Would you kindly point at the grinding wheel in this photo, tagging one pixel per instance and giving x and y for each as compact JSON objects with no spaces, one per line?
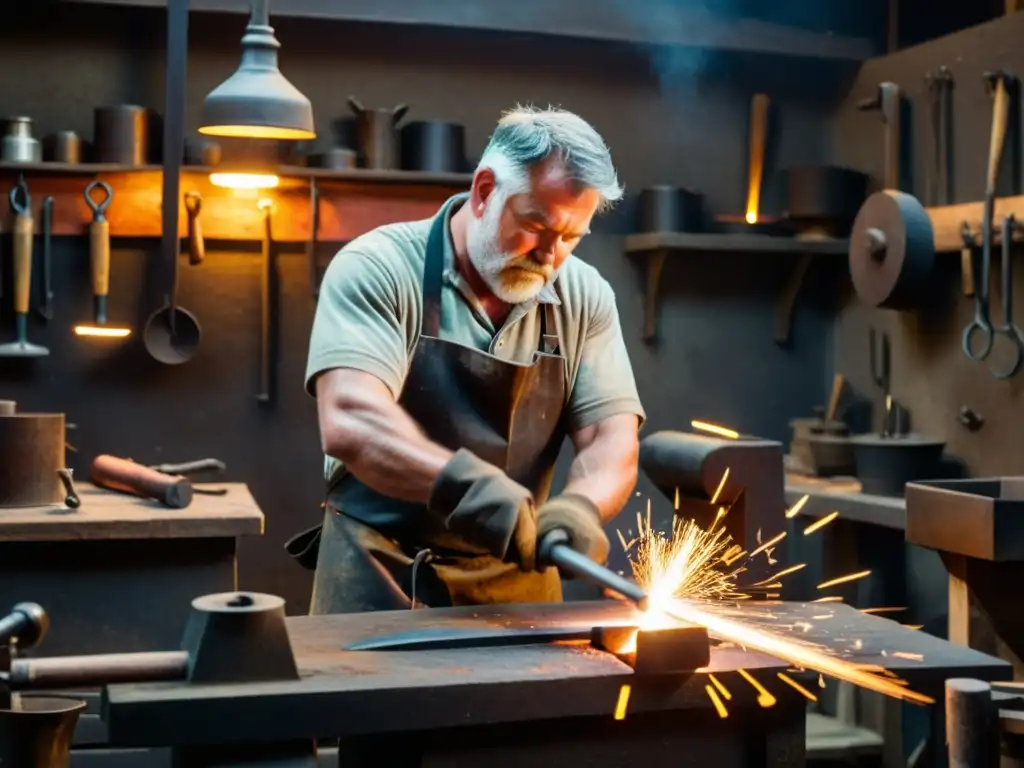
{"x":892,"y":250}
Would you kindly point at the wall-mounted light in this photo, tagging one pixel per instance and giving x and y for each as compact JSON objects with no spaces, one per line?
{"x":257,"y":101}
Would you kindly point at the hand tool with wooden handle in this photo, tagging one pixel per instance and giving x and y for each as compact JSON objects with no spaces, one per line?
{"x":21,"y":202}
{"x":196,"y":244}
{"x":758,"y":141}
{"x":99,"y":264}
{"x":128,"y":477}
{"x":838,"y":382}
{"x":888,"y":101}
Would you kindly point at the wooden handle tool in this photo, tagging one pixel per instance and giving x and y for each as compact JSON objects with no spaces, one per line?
{"x":838,"y":382}
{"x":126,"y":476}
{"x":1000,"y":117}
{"x":196,"y":244}
{"x":23,"y":230}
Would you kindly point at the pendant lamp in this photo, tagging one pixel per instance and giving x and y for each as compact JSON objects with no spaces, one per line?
{"x":257,"y":101}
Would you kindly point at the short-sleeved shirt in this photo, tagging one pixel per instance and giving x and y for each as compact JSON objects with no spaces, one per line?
{"x":371,"y":303}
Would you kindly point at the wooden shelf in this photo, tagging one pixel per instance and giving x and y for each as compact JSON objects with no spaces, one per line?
{"x":737,"y":243}
{"x":351,"y":204}
{"x":654,"y":248}
{"x":286,"y":172}
{"x":74,"y":169}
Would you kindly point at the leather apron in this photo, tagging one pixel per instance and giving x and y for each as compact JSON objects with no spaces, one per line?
{"x":507,"y":413}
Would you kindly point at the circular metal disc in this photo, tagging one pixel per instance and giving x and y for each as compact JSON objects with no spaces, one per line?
{"x":892,"y":250}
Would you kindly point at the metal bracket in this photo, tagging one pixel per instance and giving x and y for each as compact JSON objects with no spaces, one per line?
{"x":653,"y":262}
{"x":787,"y":301}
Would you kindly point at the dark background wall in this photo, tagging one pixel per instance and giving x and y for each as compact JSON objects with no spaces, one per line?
{"x":930,"y":374}
{"x":677,"y":119}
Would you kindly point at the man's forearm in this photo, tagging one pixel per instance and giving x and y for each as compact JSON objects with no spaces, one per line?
{"x":604,"y":473}
{"x":382,"y":445}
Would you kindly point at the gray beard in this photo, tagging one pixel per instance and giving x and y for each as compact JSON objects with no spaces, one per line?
{"x":513,"y":286}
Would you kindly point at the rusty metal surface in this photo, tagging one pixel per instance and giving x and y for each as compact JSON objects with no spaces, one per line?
{"x":362,"y":692}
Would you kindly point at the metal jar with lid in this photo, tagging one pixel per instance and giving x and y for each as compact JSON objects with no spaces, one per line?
{"x":19,"y":146}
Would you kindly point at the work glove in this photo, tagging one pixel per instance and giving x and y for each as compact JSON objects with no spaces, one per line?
{"x":580,"y":518}
{"x":487,"y":508}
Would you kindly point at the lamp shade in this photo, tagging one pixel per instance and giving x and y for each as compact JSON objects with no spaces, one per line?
{"x":257,"y":101}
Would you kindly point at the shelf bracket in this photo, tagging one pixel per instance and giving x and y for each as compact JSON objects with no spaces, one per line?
{"x":651,"y":262}
{"x":787,"y":301}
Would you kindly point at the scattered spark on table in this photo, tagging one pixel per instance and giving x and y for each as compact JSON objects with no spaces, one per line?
{"x":693,"y":575}
{"x":714,"y":429}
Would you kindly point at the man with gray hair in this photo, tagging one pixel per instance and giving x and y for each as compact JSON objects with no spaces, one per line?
{"x":449,"y":359}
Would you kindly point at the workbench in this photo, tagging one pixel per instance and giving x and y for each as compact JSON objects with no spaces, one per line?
{"x":119,"y":573}
{"x":868,"y":533}
{"x":467,"y":706}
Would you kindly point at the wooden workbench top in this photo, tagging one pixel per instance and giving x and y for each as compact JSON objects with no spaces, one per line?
{"x":108,"y":515}
{"x":352,"y":692}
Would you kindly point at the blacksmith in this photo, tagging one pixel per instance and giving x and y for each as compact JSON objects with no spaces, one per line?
{"x":449,"y":359}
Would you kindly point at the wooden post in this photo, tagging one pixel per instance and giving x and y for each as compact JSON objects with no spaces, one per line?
{"x":972,"y":728}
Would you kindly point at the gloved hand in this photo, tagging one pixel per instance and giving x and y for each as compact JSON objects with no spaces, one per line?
{"x":487,"y":508}
{"x":580,"y":518}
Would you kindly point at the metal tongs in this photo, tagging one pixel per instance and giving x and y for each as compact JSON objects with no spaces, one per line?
{"x":190,"y":468}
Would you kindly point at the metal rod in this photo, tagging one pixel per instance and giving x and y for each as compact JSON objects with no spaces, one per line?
{"x":98,"y":669}
{"x":174,"y":138}
{"x":554,"y":549}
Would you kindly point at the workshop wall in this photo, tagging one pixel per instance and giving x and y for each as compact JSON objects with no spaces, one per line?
{"x":677,"y":119}
{"x":930,"y":373}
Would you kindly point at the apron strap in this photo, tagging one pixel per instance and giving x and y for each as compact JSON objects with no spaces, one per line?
{"x":433,"y":273}
{"x":549,"y":331}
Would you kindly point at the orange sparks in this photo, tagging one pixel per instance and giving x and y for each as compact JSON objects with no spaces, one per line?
{"x":722,"y":512}
{"x":844,"y":579}
{"x":623,"y":702}
{"x":721,"y":485}
{"x":780,"y":574}
{"x":675,"y":503}
{"x":622,"y":540}
{"x":717,"y":702}
{"x":914,"y":626}
{"x":721,"y":688}
{"x":795,"y":509}
{"x":714,"y":429}
{"x":767,"y":544}
{"x":796,"y":686}
{"x":819,"y":524}
{"x":764,"y":696}
{"x":908,"y":656}
{"x":829,"y":599}
{"x":795,"y":653}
